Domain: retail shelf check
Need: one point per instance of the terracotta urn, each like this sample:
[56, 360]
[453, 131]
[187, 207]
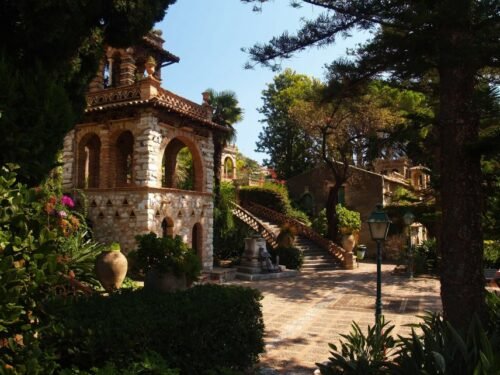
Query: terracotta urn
[348, 242]
[111, 269]
[164, 281]
[150, 66]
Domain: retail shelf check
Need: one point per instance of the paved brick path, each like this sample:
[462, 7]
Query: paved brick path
[303, 314]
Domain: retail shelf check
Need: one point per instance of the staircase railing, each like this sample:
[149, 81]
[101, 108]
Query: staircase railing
[253, 222]
[345, 257]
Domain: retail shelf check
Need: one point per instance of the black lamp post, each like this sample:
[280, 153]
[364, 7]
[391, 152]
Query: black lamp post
[409, 219]
[378, 223]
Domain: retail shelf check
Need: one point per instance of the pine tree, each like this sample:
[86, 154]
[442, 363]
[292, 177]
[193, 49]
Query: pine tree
[456, 40]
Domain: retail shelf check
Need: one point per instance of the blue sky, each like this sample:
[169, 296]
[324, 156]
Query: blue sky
[208, 36]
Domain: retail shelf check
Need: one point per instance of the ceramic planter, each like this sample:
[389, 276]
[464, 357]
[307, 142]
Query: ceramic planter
[348, 242]
[111, 269]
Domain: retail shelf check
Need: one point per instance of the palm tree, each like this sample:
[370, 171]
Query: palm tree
[226, 112]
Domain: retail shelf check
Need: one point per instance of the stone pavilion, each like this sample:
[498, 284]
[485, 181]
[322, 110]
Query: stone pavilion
[123, 154]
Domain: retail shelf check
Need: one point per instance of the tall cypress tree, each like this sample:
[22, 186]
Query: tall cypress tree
[456, 40]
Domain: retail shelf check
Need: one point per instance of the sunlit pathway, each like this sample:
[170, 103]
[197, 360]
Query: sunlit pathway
[303, 314]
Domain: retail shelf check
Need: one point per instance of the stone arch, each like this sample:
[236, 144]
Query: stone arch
[197, 239]
[122, 159]
[228, 168]
[167, 227]
[89, 155]
[169, 161]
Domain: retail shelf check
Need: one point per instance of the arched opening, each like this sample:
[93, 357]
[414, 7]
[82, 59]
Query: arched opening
[124, 159]
[228, 168]
[89, 153]
[167, 227]
[181, 167]
[196, 239]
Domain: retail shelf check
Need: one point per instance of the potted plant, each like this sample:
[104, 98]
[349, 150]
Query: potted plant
[349, 226]
[167, 263]
[111, 267]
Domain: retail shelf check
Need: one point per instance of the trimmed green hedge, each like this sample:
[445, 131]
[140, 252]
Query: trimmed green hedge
[274, 199]
[203, 329]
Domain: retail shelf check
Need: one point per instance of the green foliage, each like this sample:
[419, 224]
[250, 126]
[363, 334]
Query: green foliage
[349, 221]
[229, 234]
[43, 246]
[426, 257]
[150, 363]
[288, 145]
[32, 102]
[49, 53]
[224, 322]
[184, 170]
[492, 254]
[166, 254]
[441, 349]
[270, 197]
[362, 354]
[402, 196]
[299, 215]
[320, 223]
[291, 257]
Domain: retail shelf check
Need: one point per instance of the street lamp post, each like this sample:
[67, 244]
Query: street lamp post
[379, 223]
[409, 219]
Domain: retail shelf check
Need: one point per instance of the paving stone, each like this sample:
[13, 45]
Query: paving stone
[304, 314]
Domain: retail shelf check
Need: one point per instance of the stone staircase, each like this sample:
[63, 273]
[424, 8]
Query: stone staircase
[315, 258]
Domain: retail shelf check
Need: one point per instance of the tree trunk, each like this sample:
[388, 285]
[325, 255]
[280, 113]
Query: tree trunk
[462, 282]
[331, 213]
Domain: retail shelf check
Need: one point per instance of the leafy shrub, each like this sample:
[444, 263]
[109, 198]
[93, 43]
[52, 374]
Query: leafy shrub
[426, 259]
[229, 234]
[271, 197]
[202, 328]
[320, 224]
[349, 221]
[291, 257]
[166, 254]
[492, 254]
[360, 354]
[441, 349]
[299, 215]
[149, 363]
[43, 249]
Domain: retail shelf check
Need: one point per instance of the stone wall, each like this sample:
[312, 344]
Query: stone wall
[363, 191]
[119, 213]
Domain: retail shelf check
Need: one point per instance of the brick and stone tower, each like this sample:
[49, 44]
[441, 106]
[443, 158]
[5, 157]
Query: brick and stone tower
[124, 153]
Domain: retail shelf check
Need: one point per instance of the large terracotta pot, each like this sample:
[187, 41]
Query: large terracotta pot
[164, 281]
[111, 269]
[348, 242]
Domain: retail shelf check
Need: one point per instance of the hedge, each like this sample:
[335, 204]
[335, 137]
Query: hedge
[203, 329]
[274, 199]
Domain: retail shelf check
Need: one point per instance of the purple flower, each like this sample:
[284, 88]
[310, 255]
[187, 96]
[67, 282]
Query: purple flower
[67, 201]
[62, 214]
